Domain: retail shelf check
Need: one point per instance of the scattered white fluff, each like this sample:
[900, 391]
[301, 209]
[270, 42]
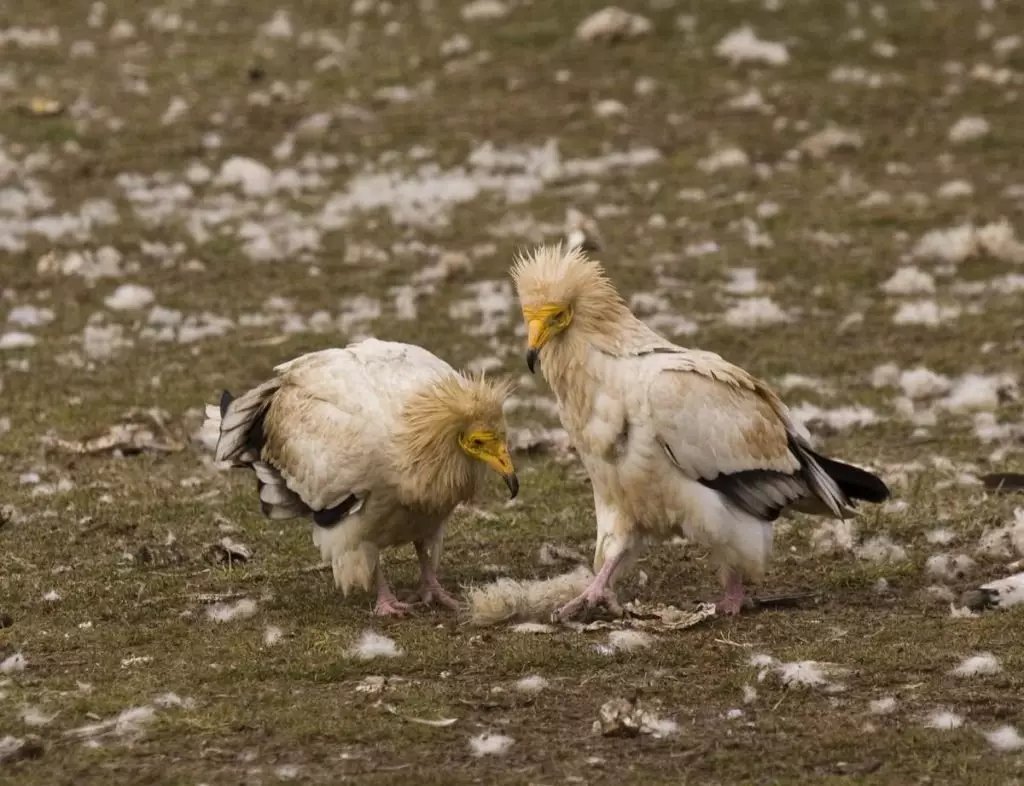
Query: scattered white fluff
[945, 567]
[253, 178]
[129, 297]
[30, 316]
[52, 596]
[943, 720]
[727, 158]
[881, 550]
[909, 280]
[33, 716]
[941, 536]
[533, 627]
[749, 694]
[279, 26]
[835, 536]
[925, 312]
[171, 699]
[742, 45]
[803, 673]
[977, 392]
[969, 128]
[628, 640]
[921, 382]
[609, 107]
[612, 24]
[1005, 738]
[13, 663]
[534, 684]
[17, 339]
[755, 312]
[272, 635]
[955, 189]
[838, 419]
[885, 376]
[129, 724]
[488, 744]
[483, 9]
[981, 664]
[228, 612]
[999, 239]
[373, 645]
[882, 706]
[952, 245]
[831, 139]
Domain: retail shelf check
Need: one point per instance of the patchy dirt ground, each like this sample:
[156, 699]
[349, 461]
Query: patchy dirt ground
[193, 192]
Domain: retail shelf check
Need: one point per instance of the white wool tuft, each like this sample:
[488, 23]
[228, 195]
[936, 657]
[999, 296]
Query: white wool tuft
[836, 536]
[612, 23]
[1005, 738]
[881, 550]
[742, 45]
[941, 536]
[129, 297]
[921, 382]
[978, 392]
[886, 375]
[228, 612]
[968, 128]
[271, 635]
[943, 720]
[13, 663]
[909, 281]
[508, 600]
[534, 684]
[978, 665]
[373, 645]
[490, 744]
[883, 706]
[755, 312]
[628, 640]
[925, 312]
[948, 568]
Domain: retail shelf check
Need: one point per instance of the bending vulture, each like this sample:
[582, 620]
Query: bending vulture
[377, 442]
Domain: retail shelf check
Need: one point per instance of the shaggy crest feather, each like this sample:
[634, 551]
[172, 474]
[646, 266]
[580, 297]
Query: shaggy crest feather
[551, 275]
[435, 469]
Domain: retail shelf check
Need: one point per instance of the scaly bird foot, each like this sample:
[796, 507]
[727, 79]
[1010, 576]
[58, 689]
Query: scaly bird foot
[391, 607]
[435, 595]
[589, 599]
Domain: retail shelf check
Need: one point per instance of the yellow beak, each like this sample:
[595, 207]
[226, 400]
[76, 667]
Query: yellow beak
[501, 462]
[534, 341]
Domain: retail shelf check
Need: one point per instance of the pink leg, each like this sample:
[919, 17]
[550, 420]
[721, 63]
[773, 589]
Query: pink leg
[732, 601]
[596, 591]
[431, 591]
[387, 604]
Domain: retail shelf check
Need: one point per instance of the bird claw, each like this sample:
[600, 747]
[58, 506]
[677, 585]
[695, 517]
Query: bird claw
[436, 595]
[391, 607]
[589, 601]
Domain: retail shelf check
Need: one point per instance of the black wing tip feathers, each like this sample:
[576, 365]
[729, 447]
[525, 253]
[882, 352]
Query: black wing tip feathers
[331, 516]
[856, 483]
[225, 401]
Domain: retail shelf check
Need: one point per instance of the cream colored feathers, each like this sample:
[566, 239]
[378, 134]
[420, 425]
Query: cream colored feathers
[377, 443]
[674, 440]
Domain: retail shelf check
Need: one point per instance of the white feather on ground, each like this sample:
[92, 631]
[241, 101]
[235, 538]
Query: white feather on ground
[510, 600]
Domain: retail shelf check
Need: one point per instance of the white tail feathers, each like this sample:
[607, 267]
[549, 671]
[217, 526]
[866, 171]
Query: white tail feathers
[209, 431]
[353, 564]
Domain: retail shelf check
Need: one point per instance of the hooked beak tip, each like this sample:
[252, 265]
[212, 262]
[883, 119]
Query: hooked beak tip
[531, 359]
[512, 481]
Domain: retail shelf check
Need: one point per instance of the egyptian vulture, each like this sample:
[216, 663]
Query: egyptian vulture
[675, 440]
[377, 442]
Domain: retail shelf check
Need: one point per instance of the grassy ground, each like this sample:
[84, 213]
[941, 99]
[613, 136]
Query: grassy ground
[396, 91]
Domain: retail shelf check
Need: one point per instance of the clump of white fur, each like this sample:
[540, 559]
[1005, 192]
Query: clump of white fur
[977, 665]
[508, 600]
[373, 645]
